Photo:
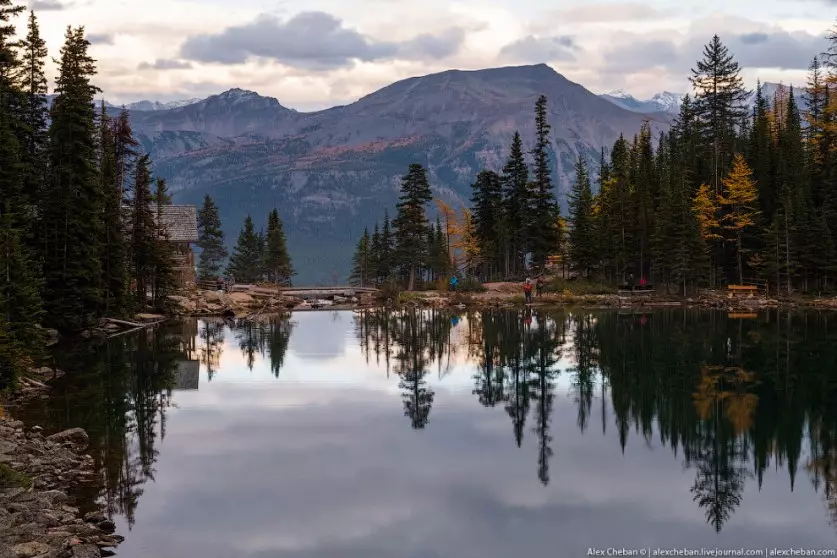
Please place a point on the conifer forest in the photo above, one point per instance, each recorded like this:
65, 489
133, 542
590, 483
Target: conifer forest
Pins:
727, 195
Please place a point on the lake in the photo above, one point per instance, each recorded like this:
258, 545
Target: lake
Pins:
421, 433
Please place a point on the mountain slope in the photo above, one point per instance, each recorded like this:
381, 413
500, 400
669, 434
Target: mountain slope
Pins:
333, 172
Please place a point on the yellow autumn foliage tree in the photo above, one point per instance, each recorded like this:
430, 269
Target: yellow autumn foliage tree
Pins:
463, 241
739, 197
450, 224
705, 207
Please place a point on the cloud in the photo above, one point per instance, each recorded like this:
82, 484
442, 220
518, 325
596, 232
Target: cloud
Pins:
101, 38
536, 49
770, 47
314, 41
165, 64
606, 12
48, 5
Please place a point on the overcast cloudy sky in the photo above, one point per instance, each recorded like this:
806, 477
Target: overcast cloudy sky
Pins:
317, 53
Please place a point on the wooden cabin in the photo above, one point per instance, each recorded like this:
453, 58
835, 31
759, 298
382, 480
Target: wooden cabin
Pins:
180, 223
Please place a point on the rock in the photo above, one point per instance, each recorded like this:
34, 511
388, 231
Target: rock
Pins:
7, 447
6, 551
95, 517
86, 551
30, 549
75, 435
241, 298
107, 526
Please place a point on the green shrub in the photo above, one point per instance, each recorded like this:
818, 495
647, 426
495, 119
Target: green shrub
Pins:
9, 478
390, 289
579, 287
470, 285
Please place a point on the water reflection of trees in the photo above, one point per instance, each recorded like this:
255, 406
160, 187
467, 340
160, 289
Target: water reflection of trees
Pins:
268, 336
118, 393
732, 397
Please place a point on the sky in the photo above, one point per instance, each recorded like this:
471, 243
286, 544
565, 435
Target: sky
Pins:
315, 54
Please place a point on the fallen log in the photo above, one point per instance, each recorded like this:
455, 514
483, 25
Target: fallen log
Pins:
123, 322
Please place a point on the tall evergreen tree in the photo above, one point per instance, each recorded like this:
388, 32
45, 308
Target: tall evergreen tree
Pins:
517, 197
144, 232
544, 233
277, 260
73, 199
210, 241
361, 262
487, 200
246, 260
720, 106
115, 257
33, 122
582, 237
411, 223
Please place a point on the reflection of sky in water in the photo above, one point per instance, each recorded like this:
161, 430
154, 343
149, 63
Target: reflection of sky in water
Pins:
322, 463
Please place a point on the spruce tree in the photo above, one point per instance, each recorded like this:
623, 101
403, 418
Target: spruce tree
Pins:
115, 257
144, 232
411, 223
544, 234
72, 223
386, 253
246, 260
375, 255
164, 281
517, 201
361, 261
720, 106
210, 241
582, 236
33, 124
277, 261
487, 200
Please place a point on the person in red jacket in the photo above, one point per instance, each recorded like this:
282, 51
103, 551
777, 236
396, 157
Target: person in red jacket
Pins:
527, 291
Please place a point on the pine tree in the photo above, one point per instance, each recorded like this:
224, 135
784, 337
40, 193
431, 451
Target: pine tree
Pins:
487, 214
739, 197
517, 199
144, 233
210, 241
582, 236
361, 261
72, 221
386, 253
543, 233
277, 260
115, 258
33, 124
246, 260
719, 104
411, 223
164, 282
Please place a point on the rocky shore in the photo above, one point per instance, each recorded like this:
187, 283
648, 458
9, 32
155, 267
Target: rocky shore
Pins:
252, 301
37, 515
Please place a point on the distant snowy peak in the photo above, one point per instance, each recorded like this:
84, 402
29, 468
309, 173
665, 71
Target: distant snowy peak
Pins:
157, 105
668, 101
661, 102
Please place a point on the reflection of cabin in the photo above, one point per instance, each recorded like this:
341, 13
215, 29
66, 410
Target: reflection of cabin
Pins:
186, 374
180, 223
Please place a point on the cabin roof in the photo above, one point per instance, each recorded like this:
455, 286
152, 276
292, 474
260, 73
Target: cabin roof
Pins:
180, 222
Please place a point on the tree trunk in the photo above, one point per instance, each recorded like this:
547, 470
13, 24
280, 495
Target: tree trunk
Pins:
412, 282
740, 262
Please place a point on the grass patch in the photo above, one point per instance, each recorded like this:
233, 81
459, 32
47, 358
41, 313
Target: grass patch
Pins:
410, 296
9, 478
579, 287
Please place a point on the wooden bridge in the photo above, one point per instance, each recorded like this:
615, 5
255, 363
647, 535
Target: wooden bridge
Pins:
302, 292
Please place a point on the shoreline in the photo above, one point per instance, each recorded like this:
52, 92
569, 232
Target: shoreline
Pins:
38, 473
253, 301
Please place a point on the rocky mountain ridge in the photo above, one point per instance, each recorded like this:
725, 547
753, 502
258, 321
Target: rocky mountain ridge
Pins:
333, 172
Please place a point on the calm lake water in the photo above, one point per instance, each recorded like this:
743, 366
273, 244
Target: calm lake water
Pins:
426, 434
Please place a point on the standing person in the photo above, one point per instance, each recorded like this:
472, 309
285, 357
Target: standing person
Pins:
642, 281
527, 291
454, 281
539, 286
